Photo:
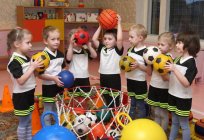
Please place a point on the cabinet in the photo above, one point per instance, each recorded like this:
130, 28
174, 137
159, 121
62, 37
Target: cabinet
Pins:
36, 18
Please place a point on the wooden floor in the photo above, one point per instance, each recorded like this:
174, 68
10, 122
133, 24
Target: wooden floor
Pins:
198, 96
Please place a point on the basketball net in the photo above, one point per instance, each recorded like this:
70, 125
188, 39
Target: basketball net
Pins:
77, 102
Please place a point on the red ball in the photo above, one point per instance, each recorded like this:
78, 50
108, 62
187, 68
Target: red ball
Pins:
108, 19
81, 37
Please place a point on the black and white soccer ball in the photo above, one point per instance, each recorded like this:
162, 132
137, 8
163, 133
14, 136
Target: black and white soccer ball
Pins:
114, 133
81, 124
92, 117
150, 53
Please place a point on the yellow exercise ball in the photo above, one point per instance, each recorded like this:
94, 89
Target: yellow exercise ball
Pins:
45, 58
140, 129
125, 63
159, 63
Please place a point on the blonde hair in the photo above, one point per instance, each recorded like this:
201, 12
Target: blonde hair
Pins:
48, 29
140, 30
16, 34
169, 38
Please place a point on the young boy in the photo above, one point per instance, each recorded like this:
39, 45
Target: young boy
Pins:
51, 81
110, 51
136, 79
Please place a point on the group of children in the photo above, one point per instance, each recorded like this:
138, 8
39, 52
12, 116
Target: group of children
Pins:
170, 92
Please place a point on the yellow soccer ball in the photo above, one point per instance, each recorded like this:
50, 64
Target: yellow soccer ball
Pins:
45, 58
159, 63
125, 63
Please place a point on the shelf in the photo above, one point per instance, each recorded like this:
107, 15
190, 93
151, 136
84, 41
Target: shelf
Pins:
81, 22
36, 17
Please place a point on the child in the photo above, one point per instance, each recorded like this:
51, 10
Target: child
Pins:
52, 85
77, 56
110, 53
21, 70
183, 72
158, 89
136, 79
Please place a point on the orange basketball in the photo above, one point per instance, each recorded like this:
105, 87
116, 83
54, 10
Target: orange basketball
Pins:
108, 19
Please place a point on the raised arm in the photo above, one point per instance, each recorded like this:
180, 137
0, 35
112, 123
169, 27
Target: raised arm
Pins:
69, 54
119, 34
96, 36
91, 50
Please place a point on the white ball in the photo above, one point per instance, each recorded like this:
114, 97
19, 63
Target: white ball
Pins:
81, 129
113, 133
81, 124
81, 119
92, 117
150, 53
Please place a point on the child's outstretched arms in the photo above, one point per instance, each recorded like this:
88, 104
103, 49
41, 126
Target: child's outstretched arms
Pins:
119, 34
95, 37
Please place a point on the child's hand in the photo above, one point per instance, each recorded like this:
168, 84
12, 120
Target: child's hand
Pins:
88, 45
36, 64
119, 18
58, 81
134, 65
73, 41
169, 66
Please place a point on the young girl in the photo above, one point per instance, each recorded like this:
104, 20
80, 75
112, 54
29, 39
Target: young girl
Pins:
77, 56
21, 70
183, 72
52, 85
136, 79
110, 53
158, 89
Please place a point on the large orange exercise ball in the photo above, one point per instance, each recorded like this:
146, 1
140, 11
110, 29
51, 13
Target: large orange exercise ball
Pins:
141, 129
108, 19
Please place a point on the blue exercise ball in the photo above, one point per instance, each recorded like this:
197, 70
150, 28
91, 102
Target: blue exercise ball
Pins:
53, 132
67, 78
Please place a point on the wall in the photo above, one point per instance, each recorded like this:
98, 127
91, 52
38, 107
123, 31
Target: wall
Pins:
8, 12
128, 15
87, 3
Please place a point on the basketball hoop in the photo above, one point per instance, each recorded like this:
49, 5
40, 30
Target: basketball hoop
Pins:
88, 115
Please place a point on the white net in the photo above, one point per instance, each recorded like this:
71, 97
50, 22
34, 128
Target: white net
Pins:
85, 111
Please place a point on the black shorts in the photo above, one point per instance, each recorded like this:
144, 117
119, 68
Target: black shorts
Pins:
179, 106
84, 84
50, 91
23, 103
158, 97
137, 88
112, 81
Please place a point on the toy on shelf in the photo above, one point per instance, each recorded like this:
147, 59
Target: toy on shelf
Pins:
81, 4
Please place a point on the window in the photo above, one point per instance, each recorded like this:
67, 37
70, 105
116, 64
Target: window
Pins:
183, 15
187, 15
155, 17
